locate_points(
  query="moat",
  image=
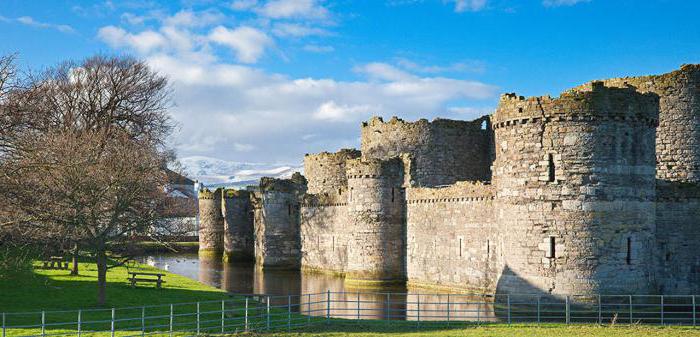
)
(245, 278)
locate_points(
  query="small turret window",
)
(392, 194)
(484, 125)
(552, 253)
(629, 251)
(552, 168)
(460, 247)
(289, 209)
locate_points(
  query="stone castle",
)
(595, 191)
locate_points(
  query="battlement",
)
(342, 154)
(460, 191)
(230, 193)
(332, 198)
(591, 101)
(294, 184)
(326, 171)
(374, 168)
(208, 194)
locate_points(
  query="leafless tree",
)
(84, 161)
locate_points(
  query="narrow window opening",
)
(333, 243)
(552, 169)
(340, 191)
(289, 209)
(629, 250)
(350, 198)
(552, 247)
(484, 125)
(392, 194)
(460, 247)
(488, 248)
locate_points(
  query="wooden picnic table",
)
(137, 276)
(55, 262)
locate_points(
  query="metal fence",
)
(274, 313)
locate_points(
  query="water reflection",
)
(346, 302)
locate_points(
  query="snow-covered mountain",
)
(219, 173)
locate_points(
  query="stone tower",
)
(238, 225)
(575, 191)
(211, 223)
(376, 211)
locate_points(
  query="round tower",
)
(326, 171)
(575, 190)
(211, 223)
(376, 207)
(238, 225)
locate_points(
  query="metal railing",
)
(267, 313)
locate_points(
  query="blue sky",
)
(270, 80)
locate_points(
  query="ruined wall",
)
(325, 232)
(445, 151)
(678, 134)
(575, 191)
(238, 225)
(326, 171)
(376, 209)
(452, 237)
(277, 233)
(211, 223)
(678, 237)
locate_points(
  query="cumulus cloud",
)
(313, 48)
(469, 5)
(465, 66)
(286, 29)
(248, 43)
(29, 21)
(557, 3)
(333, 112)
(241, 5)
(142, 42)
(282, 9)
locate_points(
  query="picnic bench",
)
(137, 276)
(55, 262)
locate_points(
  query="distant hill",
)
(215, 172)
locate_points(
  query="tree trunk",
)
(101, 259)
(74, 271)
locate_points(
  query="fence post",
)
(197, 318)
(112, 328)
(308, 309)
(478, 313)
(630, 296)
(328, 306)
(568, 310)
(80, 323)
(43, 323)
(143, 320)
(539, 301)
(289, 312)
(448, 309)
(223, 316)
(694, 310)
(388, 310)
(246, 314)
(508, 299)
(268, 312)
(3, 325)
(171, 321)
(418, 301)
(600, 310)
(358, 307)
(662, 309)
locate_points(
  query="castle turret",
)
(238, 225)
(277, 233)
(211, 223)
(575, 191)
(376, 211)
(326, 171)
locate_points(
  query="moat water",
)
(397, 303)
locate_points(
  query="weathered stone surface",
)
(211, 222)
(238, 213)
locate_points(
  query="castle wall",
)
(325, 232)
(678, 237)
(326, 171)
(237, 210)
(211, 222)
(575, 191)
(678, 134)
(277, 230)
(451, 237)
(376, 209)
(445, 151)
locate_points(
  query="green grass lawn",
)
(53, 290)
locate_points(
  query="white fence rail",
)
(266, 313)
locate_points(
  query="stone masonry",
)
(594, 191)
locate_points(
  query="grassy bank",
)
(151, 247)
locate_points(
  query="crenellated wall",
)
(211, 223)
(452, 237)
(326, 171)
(575, 191)
(239, 240)
(444, 151)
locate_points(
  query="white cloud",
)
(464, 66)
(318, 49)
(143, 42)
(188, 18)
(29, 21)
(469, 5)
(241, 5)
(557, 3)
(470, 112)
(333, 112)
(239, 147)
(248, 43)
(281, 9)
(383, 71)
(297, 30)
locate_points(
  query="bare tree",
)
(85, 160)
